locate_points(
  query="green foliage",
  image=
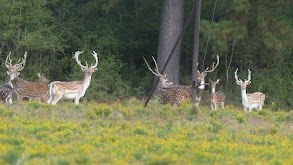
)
(255, 35)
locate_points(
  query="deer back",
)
(174, 94)
(220, 97)
(30, 89)
(256, 98)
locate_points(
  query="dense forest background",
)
(246, 34)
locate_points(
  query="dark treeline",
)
(246, 34)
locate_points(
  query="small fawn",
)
(216, 97)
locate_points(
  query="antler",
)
(77, 60)
(214, 67)
(96, 58)
(156, 70)
(236, 77)
(6, 61)
(20, 66)
(249, 76)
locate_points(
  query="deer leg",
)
(57, 98)
(10, 101)
(250, 109)
(223, 105)
(76, 100)
(245, 109)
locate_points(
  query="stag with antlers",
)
(24, 88)
(251, 100)
(74, 89)
(200, 77)
(167, 91)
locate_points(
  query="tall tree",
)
(170, 29)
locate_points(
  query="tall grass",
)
(126, 132)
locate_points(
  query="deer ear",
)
(238, 82)
(205, 74)
(7, 66)
(18, 74)
(95, 69)
(8, 72)
(218, 81)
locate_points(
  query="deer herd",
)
(44, 90)
(175, 94)
(52, 92)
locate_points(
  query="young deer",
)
(201, 76)
(168, 92)
(6, 92)
(252, 100)
(74, 89)
(42, 78)
(216, 97)
(24, 88)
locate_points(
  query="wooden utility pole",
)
(195, 50)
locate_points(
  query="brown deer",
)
(201, 76)
(42, 78)
(24, 88)
(74, 89)
(251, 100)
(216, 97)
(167, 91)
(6, 92)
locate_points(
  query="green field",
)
(128, 133)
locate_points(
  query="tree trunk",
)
(171, 27)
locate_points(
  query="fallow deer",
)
(74, 89)
(216, 97)
(251, 100)
(42, 78)
(6, 92)
(201, 76)
(24, 88)
(167, 91)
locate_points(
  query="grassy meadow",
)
(126, 132)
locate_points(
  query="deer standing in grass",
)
(167, 91)
(6, 92)
(24, 88)
(216, 97)
(200, 77)
(251, 100)
(74, 89)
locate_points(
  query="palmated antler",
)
(96, 58)
(236, 77)
(155, 71)
(249, 76)
(77, 60)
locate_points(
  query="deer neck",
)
(244, 97)
(86, 81)
(213, 94)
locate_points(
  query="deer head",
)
(164, 82)
(214, 83)
(240, 82)
(87, 69)
(13, 70)
(42, 78)
(201, 75)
